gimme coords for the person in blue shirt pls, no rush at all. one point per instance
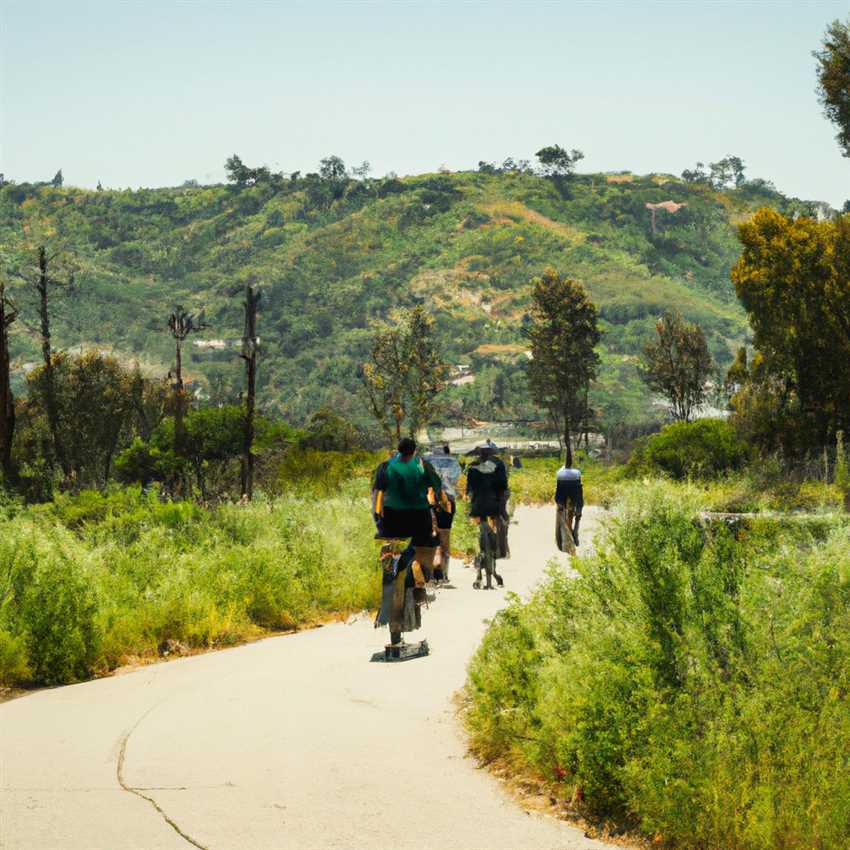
(448, 468)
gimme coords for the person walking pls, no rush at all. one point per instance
(487, 489)
(569, 501)
(448, 468)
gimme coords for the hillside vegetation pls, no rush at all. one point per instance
(335, 255)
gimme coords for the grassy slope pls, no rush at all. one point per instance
(466, 244)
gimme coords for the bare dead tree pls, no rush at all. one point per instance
(249, 355)
(8, 314)
(46, 285)
(181, 324)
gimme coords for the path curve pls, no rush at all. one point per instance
(290, 743)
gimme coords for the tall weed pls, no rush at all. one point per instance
(691, 683)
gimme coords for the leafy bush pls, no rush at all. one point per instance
(49, 605)
(96, 579)
(702, 449)
(690, 684)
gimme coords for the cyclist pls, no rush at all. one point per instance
(569, 498)
(449, 471)
(406, 488)
(487, 489)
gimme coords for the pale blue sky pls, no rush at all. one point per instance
(152, 93)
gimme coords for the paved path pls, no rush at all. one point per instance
(294, 743)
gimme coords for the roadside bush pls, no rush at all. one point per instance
(13, 660)
(688, 683)
(702, 449)
(51, 605)
(96, 580)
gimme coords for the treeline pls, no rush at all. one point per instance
(88, 419)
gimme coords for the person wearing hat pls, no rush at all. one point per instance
(487, 490)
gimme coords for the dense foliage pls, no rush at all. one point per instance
(335, 255)
(793, 278)
(92, 581)
(834, 80)
(689, 683)
(677, 364)
(562, 333)
(706, 448)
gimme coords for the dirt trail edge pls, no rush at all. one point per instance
(290, 743)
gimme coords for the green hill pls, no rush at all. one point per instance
(336, 255)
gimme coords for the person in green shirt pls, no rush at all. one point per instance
(408, 488)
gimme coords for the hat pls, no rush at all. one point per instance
(487, 446)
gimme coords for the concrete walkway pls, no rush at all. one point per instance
(292, 742)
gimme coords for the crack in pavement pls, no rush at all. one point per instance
(122, 755)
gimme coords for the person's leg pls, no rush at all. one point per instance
(445, 551)
(496, 546)
(397, 610)
(487, 544)
(425, 556)
(575, 527)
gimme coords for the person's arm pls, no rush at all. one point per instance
(379, 487)
(501, 477)
(472, 475)
(434, 480)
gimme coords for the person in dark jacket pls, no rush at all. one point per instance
(487, 489)
(486, 483)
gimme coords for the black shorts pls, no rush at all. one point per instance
(446, 518)
(414, 525)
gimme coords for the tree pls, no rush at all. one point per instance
(557, 162)
(237, 171)
(696, 175)
(8, 314)
(249, 355)
(332, 168)
(44, 283)
(327, 431)
(57, 180)
(728, 170)
(677, 364)
(793, 279)
(404, 374)
(563, 335)
(242, 175)
(94, 405)
(181, 324)
(834, 80)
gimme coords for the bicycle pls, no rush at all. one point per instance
(488, 551)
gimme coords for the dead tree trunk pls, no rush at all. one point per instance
(181, 324)
(7, 401)
(42, 288)
(249, 355)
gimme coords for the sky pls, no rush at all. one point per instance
(156, 92)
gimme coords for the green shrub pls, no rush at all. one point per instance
(56, 608)
(702, 449)
(689, 683)
(13, 660)
(94, 580)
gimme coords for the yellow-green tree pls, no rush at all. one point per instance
(404, 374)
(834, 80)
(793, 278)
